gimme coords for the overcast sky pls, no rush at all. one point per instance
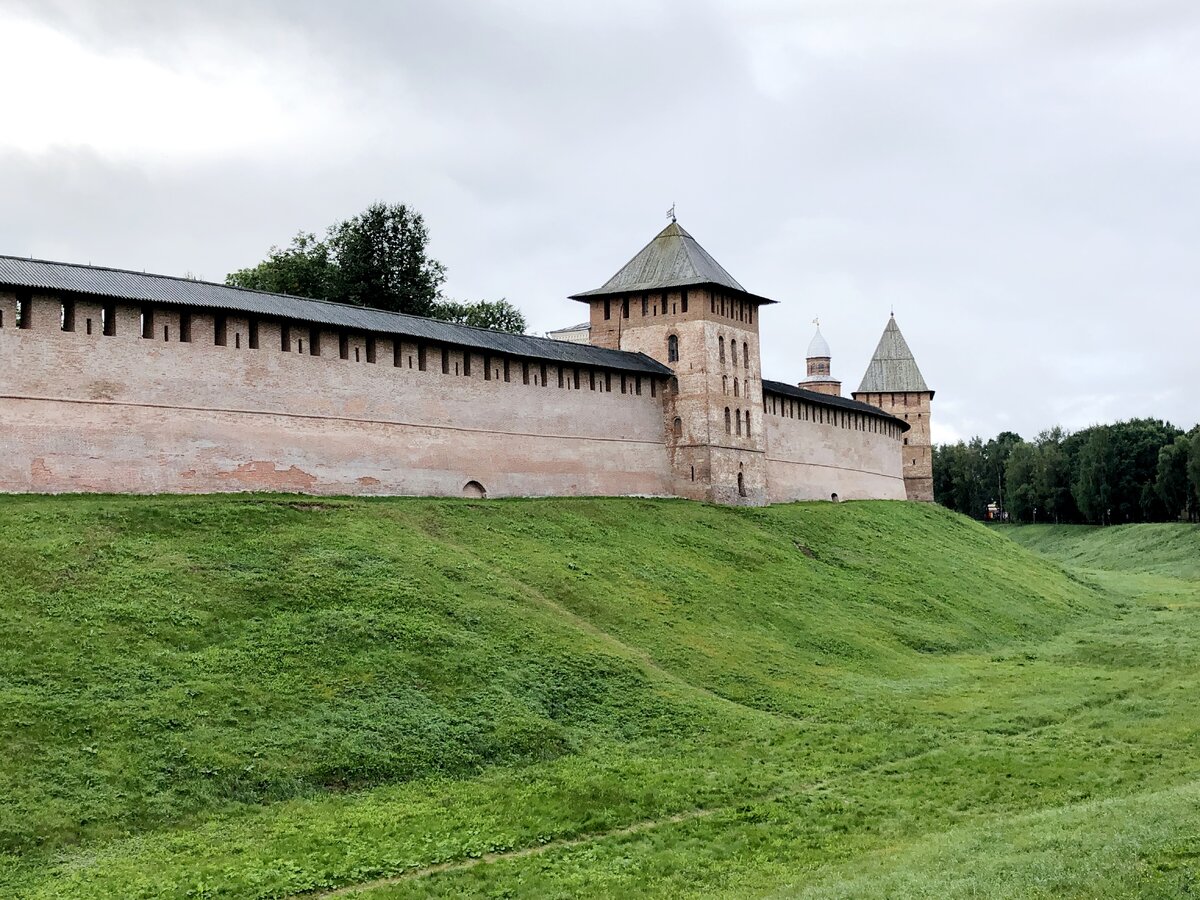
(1018, 179)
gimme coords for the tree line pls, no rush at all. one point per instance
(1143, 470)
(379, 259)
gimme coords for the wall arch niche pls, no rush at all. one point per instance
(474, 489)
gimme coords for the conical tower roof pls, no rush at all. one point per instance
(893, 367)
(673, 259)
(818, 347)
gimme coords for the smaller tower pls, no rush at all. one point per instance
(819, 378)
(895, 384)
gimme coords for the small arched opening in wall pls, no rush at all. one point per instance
(741, 480)
(474, 489)
(833, 497)
(677, 427)
(673, 348)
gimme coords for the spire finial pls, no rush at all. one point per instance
(817, 321)
(671, 212)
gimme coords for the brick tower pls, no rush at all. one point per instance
(819, 378)
(894, 384)
(676, 304)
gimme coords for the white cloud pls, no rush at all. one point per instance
(62, 94)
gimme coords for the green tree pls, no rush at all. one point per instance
(1172, 480)
(1194, 468)
(303, 270)
(381, 260)
(1092, 486)
(1052, 477)
(499, 315)
(1020, 475)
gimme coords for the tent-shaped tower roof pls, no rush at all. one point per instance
(673, 259)
(893, 367)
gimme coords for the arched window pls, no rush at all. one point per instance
(735, 386)
(724, 384)
(672, 349)
(728, 422)
(745, 356)
(741, 485)
(677, 427)
(747, 423)
(721, 347)
(733, 353)
(738, 413)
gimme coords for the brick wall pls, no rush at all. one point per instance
(814, 452)
(127, 414)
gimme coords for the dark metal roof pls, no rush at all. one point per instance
(788, 390)
(672, 259)
(893, 368)
(142, 287)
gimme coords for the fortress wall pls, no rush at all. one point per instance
(814, 452)
(121, 413)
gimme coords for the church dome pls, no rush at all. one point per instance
(817, 347)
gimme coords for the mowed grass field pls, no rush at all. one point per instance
(262, 696)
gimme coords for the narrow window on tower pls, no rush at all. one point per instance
(445, 360)
(673, 349)
(220, 331)
(576, 374)
(487, 367)
(637, 385)
(420, 357)
(645, 305)
(147, 323)
(733, 353)
(506, 372)
(314, 341)
(285, 337)
(524, 373)
(467, 363)
(728, 422)
(653, 387)
(624, 307)
(343, 345)
(607, 309)
(721, 348)
(67, 317)
(108, 319)
(543, 374)
(397, 353)
(683, 298)
(370, 349)
(24, 312)
(252, 334)
(591, 379)
(747, 423)
(677, 427)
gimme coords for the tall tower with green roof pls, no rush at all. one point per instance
(894, 383)
(675, 303)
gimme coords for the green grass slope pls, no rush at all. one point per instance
(1171, 549)
(275, 696)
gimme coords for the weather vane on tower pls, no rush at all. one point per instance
(671, 212)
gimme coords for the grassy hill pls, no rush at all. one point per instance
(275, 696)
